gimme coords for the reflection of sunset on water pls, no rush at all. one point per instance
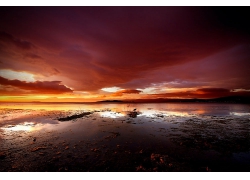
(112, 89)
(37, 134)
(239, 114)
(21, 127)
(111, 114)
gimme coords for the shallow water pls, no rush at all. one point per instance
(124, 137)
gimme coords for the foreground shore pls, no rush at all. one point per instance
(107, 139)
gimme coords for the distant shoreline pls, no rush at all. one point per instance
(232, 100)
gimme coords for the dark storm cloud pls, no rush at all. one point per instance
(204, 93)
(8, 38)
(133, 47)
(228, 69)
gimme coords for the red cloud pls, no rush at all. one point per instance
(129, 91)
(212, 90)
(126, 91)
(128, 47)
(32, 56)
(203, 93)
(42, 87)
(25, 45)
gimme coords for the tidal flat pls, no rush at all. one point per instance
(119, 137)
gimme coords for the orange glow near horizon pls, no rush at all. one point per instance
(164, 53)
(17, 90)
(120, 95)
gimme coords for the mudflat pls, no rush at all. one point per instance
(125, 137)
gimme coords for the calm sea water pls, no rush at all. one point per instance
(124, 137)
(186, 108)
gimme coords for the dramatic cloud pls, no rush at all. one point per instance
(204, 93)
(8, 38)
(91, 48)
(45, 87)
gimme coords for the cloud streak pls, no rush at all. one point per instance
(126, 91)
(45, 87)
(204, 93)
(90, 48)
(22, 44)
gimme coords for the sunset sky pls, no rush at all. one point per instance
(86, 54)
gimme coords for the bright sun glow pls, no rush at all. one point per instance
(111, 89)
(22, 76)
(153, 113)
(111, 114)
(239, 114)
(21, 127)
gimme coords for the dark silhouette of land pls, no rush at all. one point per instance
(228, 99)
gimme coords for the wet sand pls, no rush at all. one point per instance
(124, 138)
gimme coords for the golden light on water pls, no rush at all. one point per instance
(169, 113)
(20, 127)
(111, 114)
(239, 114)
